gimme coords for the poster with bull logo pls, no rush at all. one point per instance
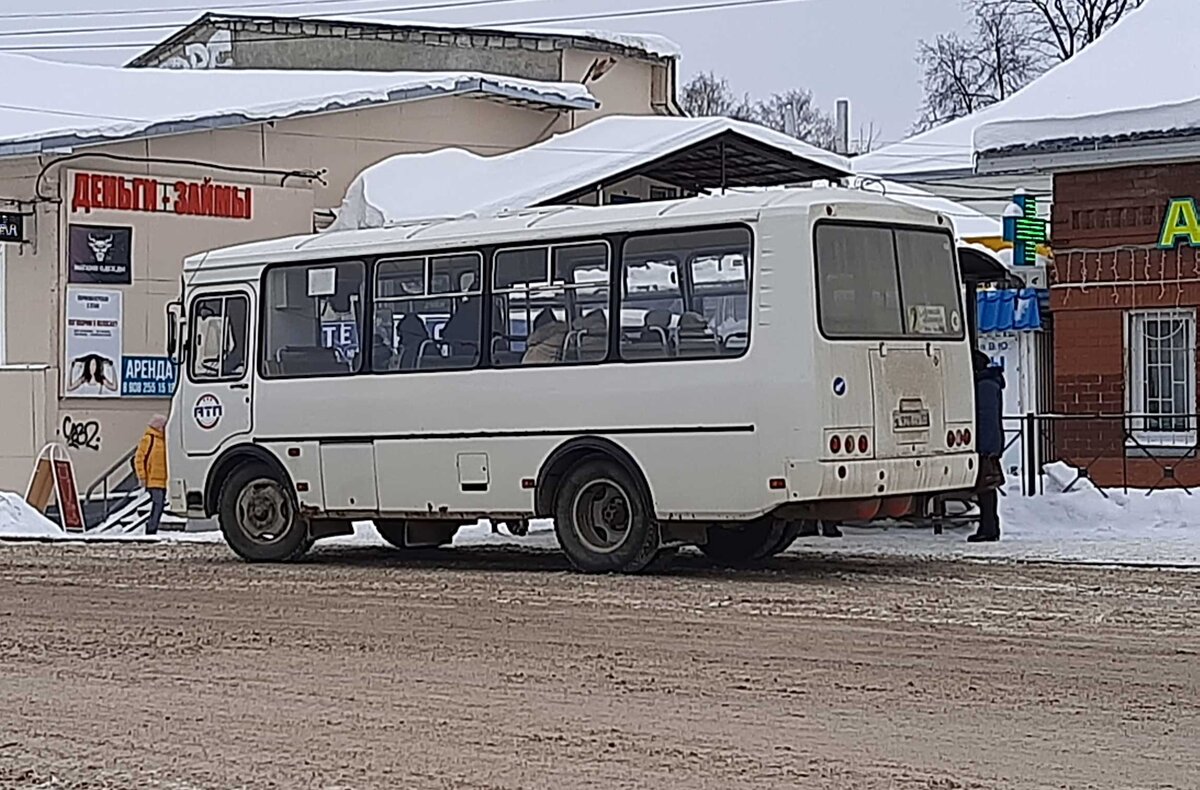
(101, 255)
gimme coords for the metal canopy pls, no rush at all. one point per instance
(979, 268)
(723, 161)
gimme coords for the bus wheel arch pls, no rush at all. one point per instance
(575, 452)
(228, 463)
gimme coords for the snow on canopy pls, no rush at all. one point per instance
(1138, 76)
(1141, 77)
(453, 182)
(48, 103)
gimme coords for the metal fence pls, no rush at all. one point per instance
(1121, 451)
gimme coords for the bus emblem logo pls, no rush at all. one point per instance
(839, 386)
(207, 411)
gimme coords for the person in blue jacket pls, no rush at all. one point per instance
(989, 443)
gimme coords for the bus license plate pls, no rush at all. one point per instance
(911, 420)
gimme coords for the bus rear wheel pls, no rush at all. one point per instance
(603, 522)
(258, 517)
(746, 544)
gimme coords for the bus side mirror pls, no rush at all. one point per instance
(174, 329)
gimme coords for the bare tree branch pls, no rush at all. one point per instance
(1012, 43)
(792, 112)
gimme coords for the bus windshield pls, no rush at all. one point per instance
(875, 281)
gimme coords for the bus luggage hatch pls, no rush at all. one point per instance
(348, 477)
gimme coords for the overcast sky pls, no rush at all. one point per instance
(858, 49)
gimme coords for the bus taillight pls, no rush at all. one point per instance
(951, 439)
(966, 437)
(835, 444)
(849, 444)
(863, 444)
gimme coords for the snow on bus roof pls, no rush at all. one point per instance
(56, 105)
(455, 182)
(565, 220)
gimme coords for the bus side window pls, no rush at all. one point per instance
(427, 313)
(686, 294)
(312, 318)
(550, 305)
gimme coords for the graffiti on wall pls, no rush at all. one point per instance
(81, 435)
(215, 53)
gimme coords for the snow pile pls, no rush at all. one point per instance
(19, 520)
(46, 100)
(453, 182)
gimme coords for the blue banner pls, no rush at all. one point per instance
(148, 377)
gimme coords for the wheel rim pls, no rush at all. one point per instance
(602, 517)
(263, 511)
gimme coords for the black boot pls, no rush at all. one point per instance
(829, 529)
(983, 537)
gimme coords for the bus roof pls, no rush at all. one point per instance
(551, 222)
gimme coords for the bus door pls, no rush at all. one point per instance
(217, 394)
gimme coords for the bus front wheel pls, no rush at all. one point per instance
(258, 517)
(745, 544)
(603, 522)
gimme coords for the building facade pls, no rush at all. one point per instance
(1125, 298)
(101, 221)
(628, 74)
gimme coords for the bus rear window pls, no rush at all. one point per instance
(880, 282)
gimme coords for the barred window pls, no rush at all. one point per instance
(1162, 376)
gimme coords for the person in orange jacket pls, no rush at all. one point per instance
(150, 463)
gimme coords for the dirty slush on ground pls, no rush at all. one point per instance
(176, 666)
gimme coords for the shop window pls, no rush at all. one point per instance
(1162, 376)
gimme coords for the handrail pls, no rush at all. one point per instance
(101, 482)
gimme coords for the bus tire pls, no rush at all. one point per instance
(393, 532)
(790, 533)
(746, 544)
(603, 521)
(258, 516)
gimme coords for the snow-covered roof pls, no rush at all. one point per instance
(454, 182)
(1138, 79)
(649, 44)
(945, 149)
(1135, 77)
(968, 223)
(55, 105)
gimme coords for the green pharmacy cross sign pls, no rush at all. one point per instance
(1024, 229)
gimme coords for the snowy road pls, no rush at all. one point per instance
(172, 665)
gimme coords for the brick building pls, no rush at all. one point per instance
(1123, 146)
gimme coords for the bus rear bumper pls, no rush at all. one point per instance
(817, 481)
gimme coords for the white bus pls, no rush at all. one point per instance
(778, 357)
